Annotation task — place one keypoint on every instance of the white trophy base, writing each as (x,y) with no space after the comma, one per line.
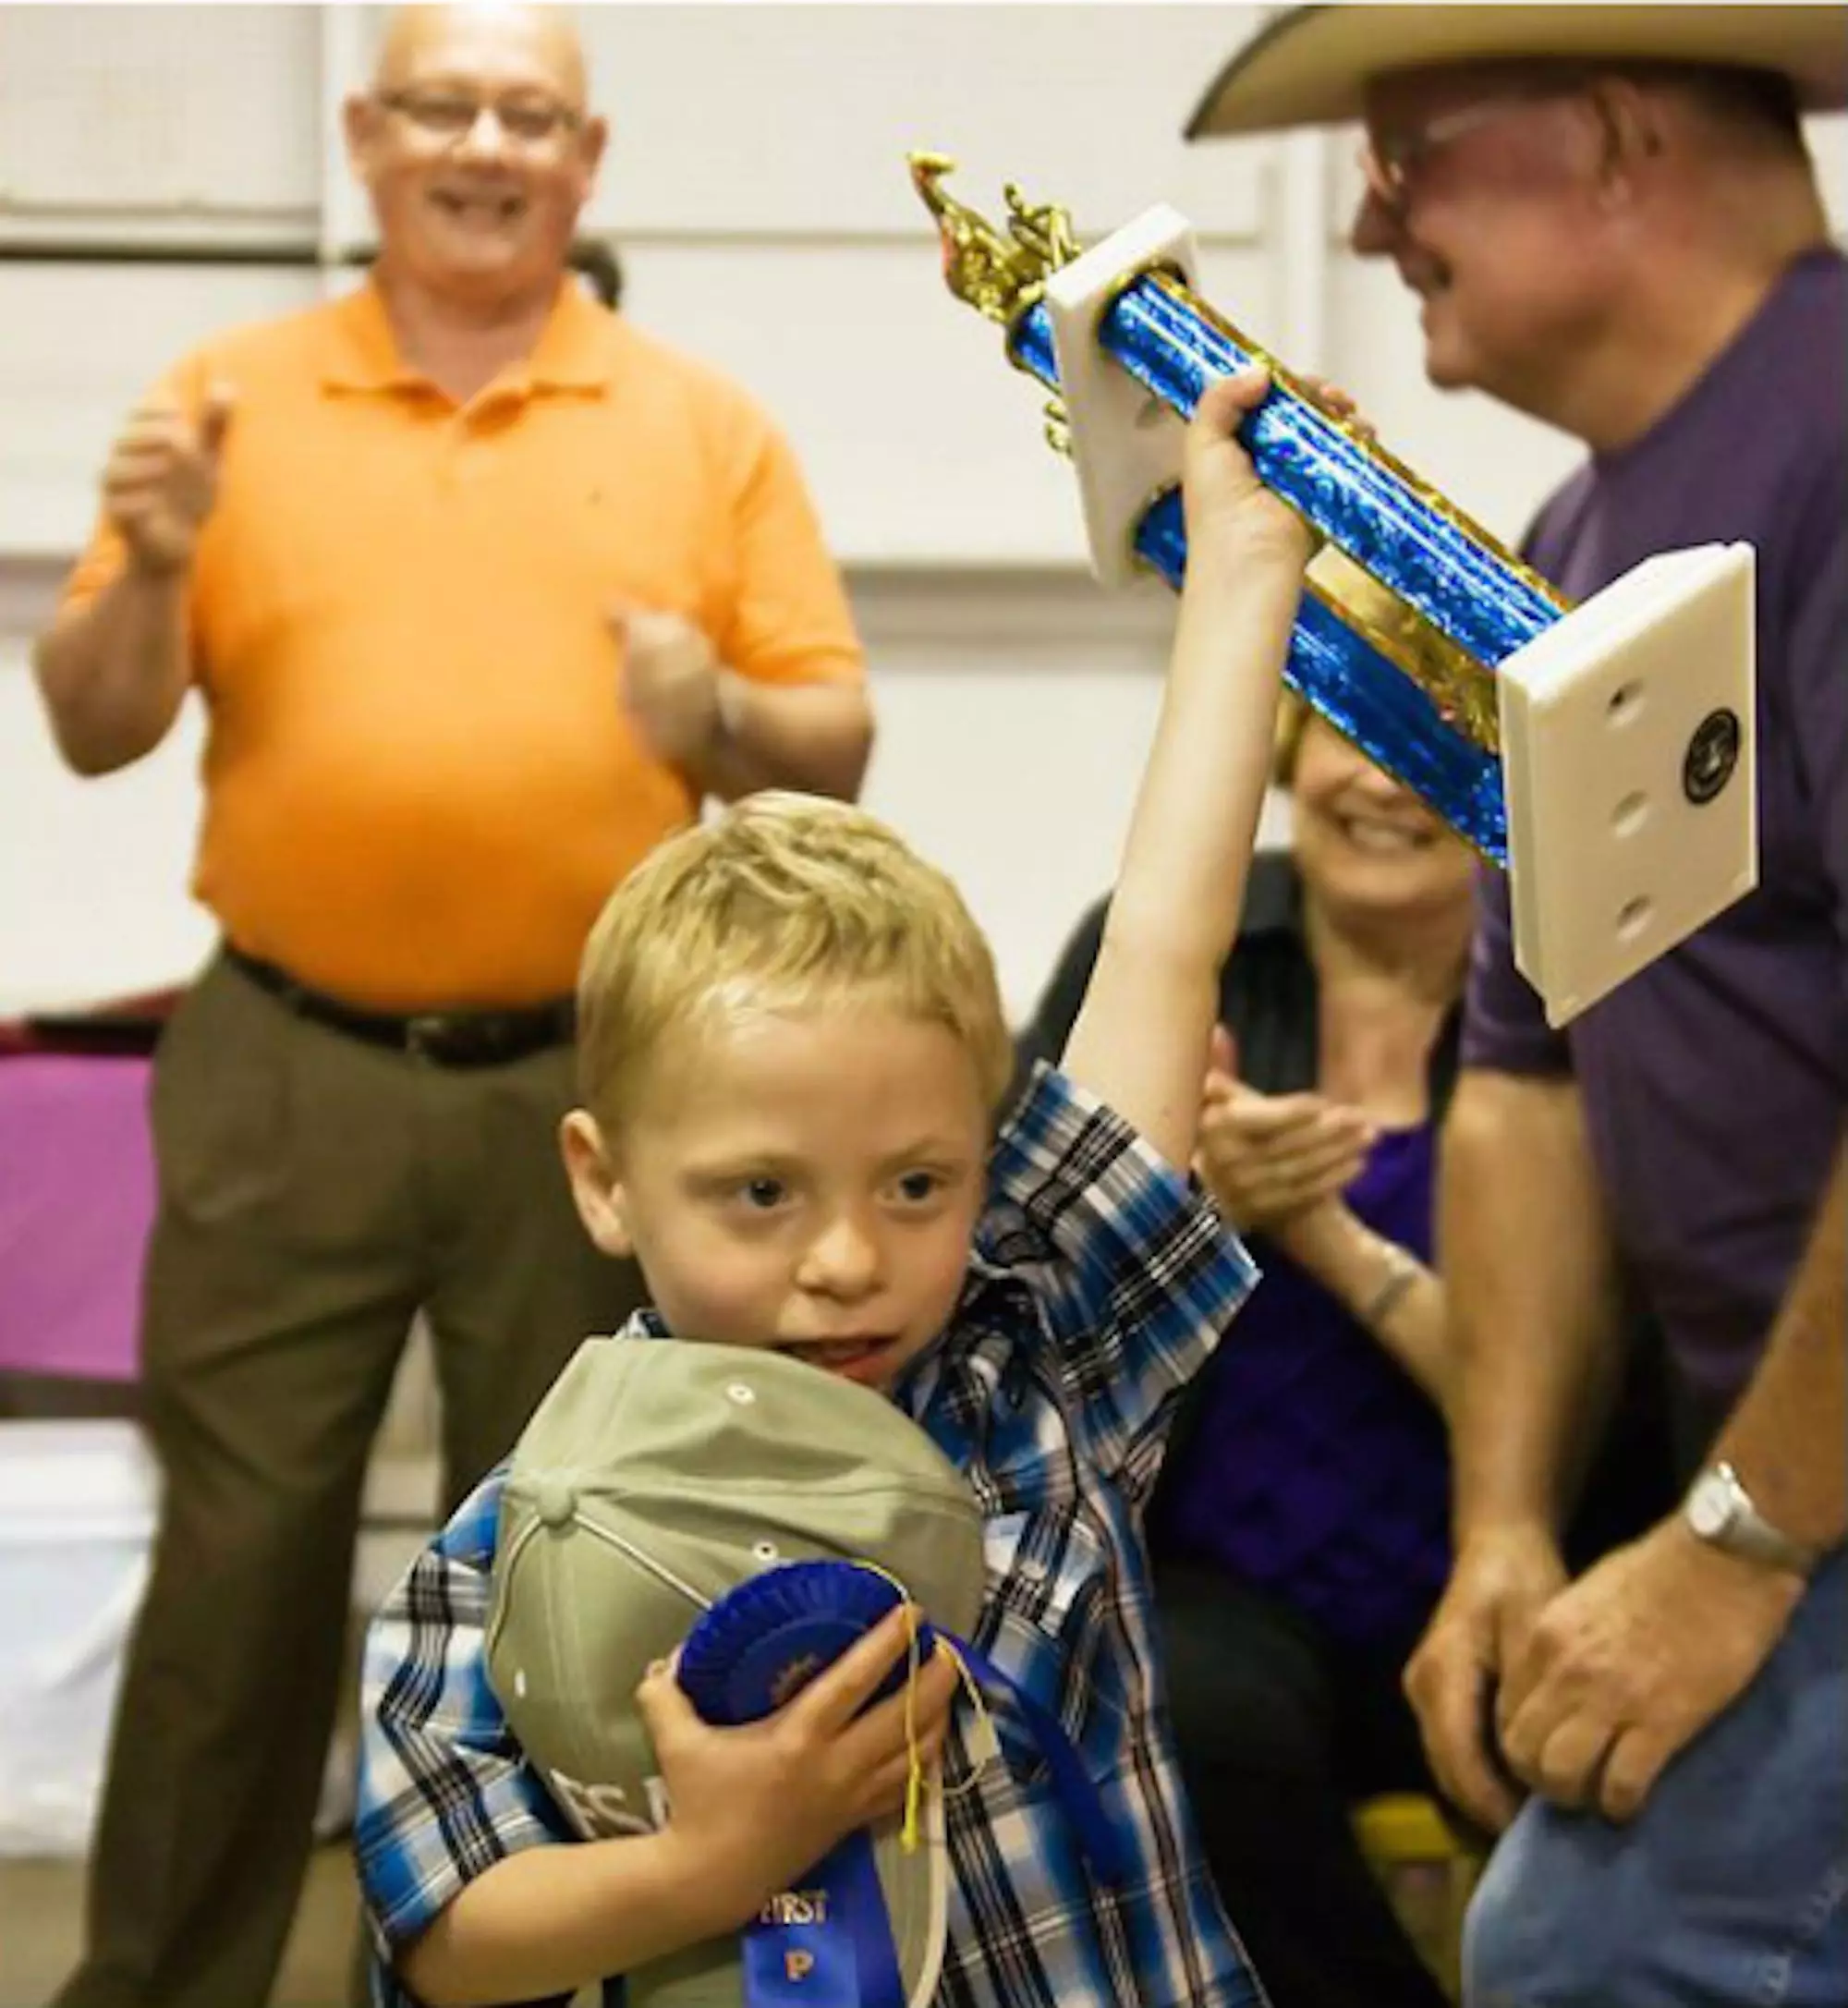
(1629,762)
(1127,444)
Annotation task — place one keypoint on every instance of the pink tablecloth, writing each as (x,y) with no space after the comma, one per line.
(77,1198)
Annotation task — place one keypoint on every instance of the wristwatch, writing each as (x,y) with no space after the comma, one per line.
(1719,1511)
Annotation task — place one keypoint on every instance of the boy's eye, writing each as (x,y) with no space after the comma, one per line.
(763,1193)
(915,1187)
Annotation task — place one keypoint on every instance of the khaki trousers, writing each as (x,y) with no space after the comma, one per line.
(315,1193)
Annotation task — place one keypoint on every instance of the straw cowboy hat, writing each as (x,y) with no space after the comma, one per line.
(1310,66)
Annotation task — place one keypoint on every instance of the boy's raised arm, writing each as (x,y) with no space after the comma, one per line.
(1141,1037)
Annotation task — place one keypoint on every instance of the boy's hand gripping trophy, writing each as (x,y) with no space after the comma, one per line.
(1603,755)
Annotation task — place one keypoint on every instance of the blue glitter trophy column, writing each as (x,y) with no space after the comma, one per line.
(1432,649)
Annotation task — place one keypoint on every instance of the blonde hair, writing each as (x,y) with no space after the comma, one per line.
(784,901)
(1293,721)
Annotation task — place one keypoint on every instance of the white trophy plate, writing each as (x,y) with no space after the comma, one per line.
(1628,760)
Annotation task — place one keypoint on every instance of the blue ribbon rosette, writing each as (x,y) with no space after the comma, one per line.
(748,1655)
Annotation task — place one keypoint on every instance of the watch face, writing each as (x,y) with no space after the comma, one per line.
(1710,1506)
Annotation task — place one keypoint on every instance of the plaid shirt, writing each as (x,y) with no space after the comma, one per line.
(1098,1286)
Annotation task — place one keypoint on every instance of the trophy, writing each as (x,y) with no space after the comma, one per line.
(1602,754)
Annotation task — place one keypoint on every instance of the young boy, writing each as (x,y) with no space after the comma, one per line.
(793,1057)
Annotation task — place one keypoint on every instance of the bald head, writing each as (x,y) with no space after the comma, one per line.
(478,151)
(541,41)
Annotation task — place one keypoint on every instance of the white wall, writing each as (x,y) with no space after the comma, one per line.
(757,188)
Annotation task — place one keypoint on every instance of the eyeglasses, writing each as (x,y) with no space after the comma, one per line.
(452,116)
(1390,163)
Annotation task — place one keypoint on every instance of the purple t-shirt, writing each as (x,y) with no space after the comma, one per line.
(1716,1081)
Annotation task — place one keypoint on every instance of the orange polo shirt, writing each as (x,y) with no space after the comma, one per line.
(419,783)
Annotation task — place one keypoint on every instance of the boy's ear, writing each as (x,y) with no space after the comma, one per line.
(591,1166)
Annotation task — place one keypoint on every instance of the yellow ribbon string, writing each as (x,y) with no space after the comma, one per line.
(987,1745)
(914,1777)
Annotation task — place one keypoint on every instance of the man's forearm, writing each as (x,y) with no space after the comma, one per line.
(1536,1334)
(1786,1437)
(815,737)
(113,672)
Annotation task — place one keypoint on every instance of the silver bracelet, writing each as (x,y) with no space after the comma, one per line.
(1402,1271)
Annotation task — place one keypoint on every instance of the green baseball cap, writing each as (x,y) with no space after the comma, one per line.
(657,1476)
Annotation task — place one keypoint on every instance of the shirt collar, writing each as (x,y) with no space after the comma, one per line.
(574,350)
(994,1299)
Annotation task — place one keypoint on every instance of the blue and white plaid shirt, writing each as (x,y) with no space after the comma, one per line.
(1098,1285)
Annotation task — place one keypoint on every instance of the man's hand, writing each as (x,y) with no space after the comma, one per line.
(1499,1584)
(753,1808)
(1627,1666)
(671,687)
(162,480)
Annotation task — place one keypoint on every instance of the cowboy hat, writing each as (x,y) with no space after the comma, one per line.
(1310,66)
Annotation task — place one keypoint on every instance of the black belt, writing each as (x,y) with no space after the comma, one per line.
(443,1037)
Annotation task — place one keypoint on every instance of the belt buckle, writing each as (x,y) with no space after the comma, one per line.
(427,1036)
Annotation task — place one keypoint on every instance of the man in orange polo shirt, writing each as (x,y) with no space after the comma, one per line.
(484,590)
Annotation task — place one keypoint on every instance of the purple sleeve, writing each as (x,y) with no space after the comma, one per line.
(1504,1026)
